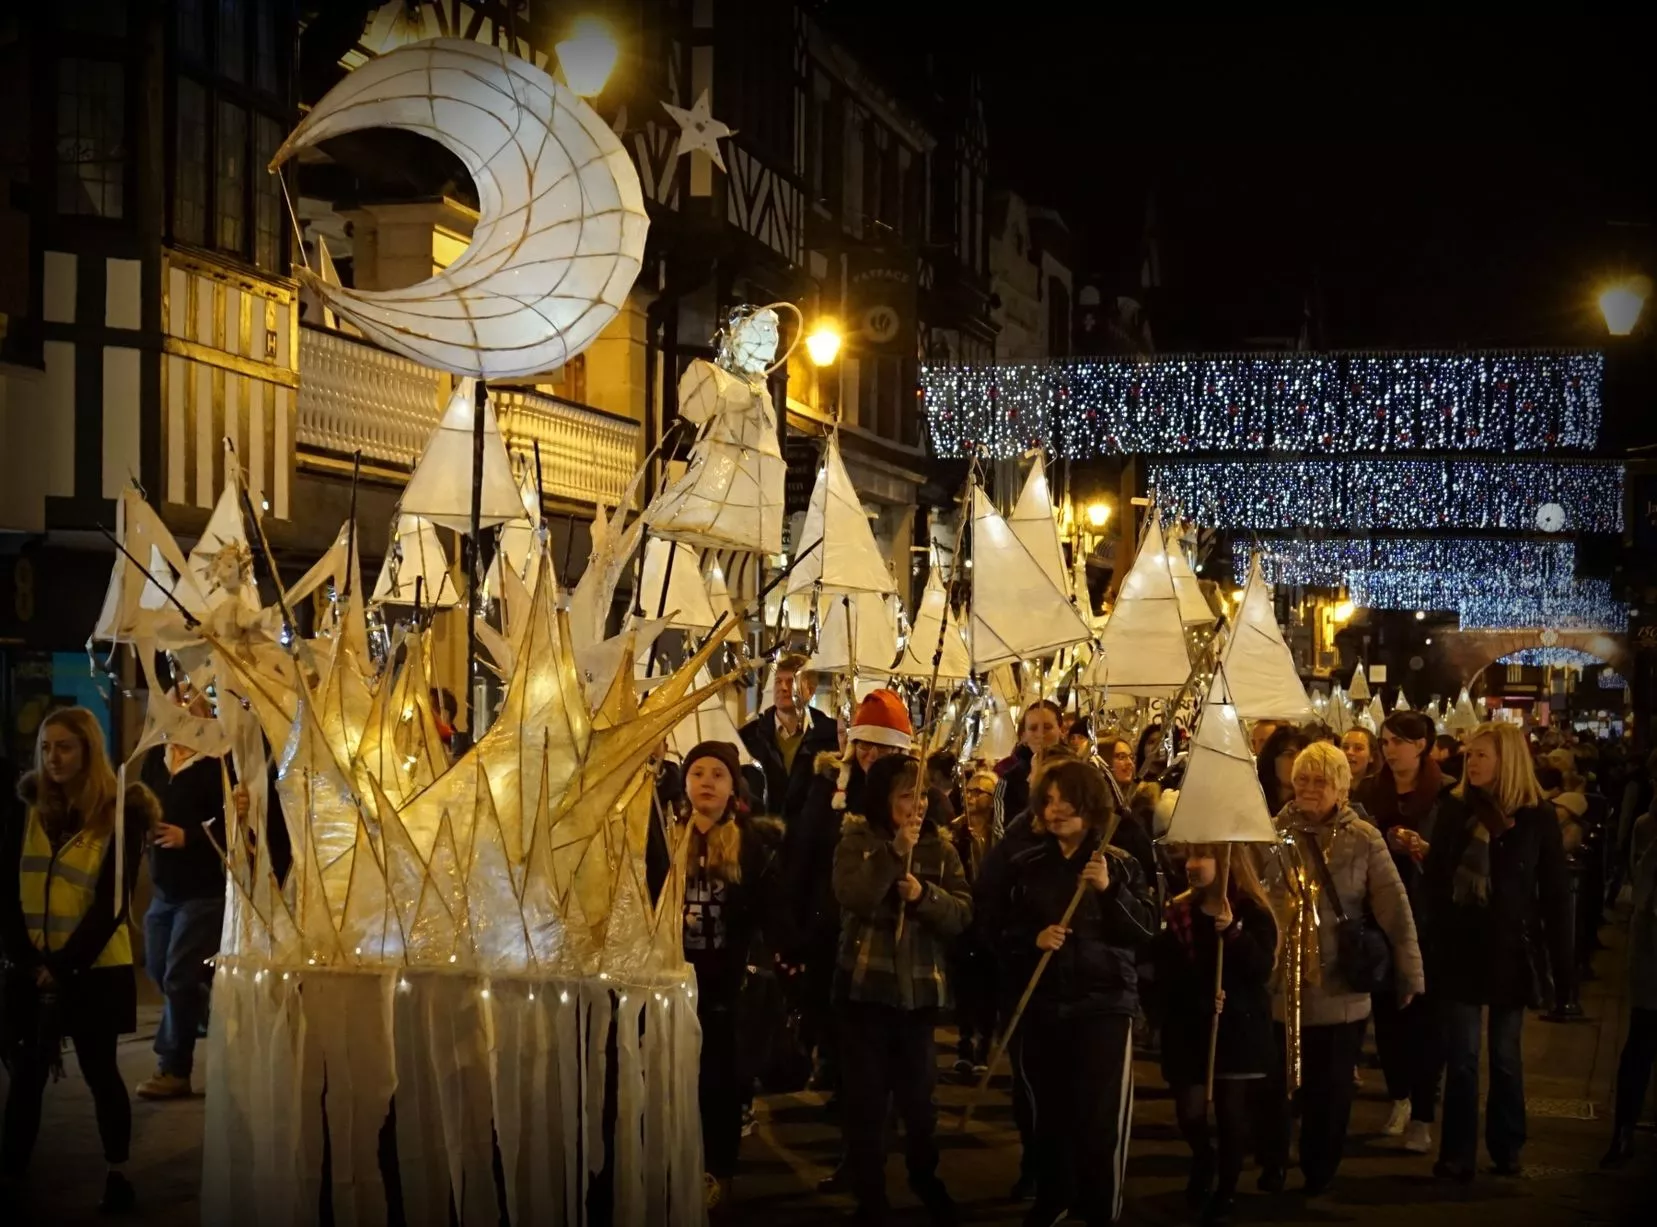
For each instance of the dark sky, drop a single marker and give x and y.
(1428, 183)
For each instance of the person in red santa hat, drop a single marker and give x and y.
(880, 727)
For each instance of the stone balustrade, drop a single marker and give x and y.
(353, 395)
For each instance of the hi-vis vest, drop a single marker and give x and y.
(57, 890)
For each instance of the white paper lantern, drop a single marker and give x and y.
(561, 220)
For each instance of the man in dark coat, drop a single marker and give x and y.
(786, 738)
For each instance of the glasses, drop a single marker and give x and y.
(980, 792)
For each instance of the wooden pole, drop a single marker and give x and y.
(1030, 988)
(1219, 971)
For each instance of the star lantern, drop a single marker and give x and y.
(698, 129)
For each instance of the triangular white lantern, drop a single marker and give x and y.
(672, 588)
(847, 560)
(1340, 711)
(1033, 524)
(1402, 704)
(1258, 664)
(1464, 718)
(858, 633)
(440, 489)
(136, 602)
(221, 564)
(712, 721)
(1220, 800)
(416, 559)
(1144, 641)
(933, 616)
(1358, 692)
(519, 543)
(1194, 609)
(1016, 612)
(1374, 715)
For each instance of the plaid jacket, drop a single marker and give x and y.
(873, 965)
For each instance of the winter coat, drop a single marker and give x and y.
(1095, 971)
(875, 965)
(1183, 954)
(729, 926)
(1416, 811)
(1642, 932)
(1362, 871)
(1484, 954)
(89, 997)
(809, 844)
(1012, 792)
(786, 789)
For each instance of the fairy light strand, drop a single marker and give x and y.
(1334, 562)
(1334, 402)
(1367, 494)
(1552, 658)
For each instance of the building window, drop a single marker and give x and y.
(230, 169)
(229, 115)
(190, 181)
(91, 138)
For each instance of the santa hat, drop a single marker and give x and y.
(882, 718)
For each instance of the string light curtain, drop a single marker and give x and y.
(1589, 605)
(1552, 658)
(1334, 562)
(1335, 402)
(1370, 494)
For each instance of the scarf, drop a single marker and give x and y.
(1471, 884)
(1393, 808)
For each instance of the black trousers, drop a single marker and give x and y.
(1080, 1075)
(818, 1020)
(973, 981)
(719, 1091)
(1410, 1045)
(1639, 1054)
(1328, 1055)
(887, 1055)
(95, 1052)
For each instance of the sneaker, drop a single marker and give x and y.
(1418, 1138)
(1398, 1120)
(979, 1069)
(163, 1086)
(118, 1196)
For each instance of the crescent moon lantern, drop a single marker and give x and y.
(561, 225)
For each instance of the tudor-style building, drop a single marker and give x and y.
(149, 313)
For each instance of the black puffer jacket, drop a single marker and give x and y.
(1094, 971)
(808, 859)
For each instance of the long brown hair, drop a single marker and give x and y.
(93, 802)
(1244, 880)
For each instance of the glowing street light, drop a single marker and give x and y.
(1621, 305)
(823, 343)
(588, 56)
(1344, 611)
(1098, 514)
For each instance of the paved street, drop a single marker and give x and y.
(1568, 1077)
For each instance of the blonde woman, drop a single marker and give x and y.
(1328, 846)
(63, 921)
(1494, 873)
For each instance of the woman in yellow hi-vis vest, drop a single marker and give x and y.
(68, 951)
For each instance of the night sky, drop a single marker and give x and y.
(1420, 182)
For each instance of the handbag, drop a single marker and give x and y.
(1363, 954)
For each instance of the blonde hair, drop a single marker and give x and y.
(1323, 761)
(94, 801)
(1516, 786)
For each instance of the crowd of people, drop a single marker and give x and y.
(844, 902)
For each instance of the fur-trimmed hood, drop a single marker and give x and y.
(829, 762)
(143, 806)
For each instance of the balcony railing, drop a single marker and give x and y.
(355, 396)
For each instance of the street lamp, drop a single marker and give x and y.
(823, 343)
(1621, 305)
(588, 56)
(1098, 514)
(1344, 610)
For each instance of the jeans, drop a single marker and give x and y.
(178, 939)
(1504, 1125)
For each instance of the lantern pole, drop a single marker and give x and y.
(475, 572)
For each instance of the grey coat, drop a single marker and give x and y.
(1364, 877)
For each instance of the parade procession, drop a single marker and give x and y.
(584, 720)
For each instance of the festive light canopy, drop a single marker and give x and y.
(1554, 657)
(1332, 562)
(1373, 493)
(1335, 402)
(1590, 605)
(561, 226)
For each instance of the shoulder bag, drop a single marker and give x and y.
(1363, 954)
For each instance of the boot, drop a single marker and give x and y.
(1622, 1147)
(118, 1196)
